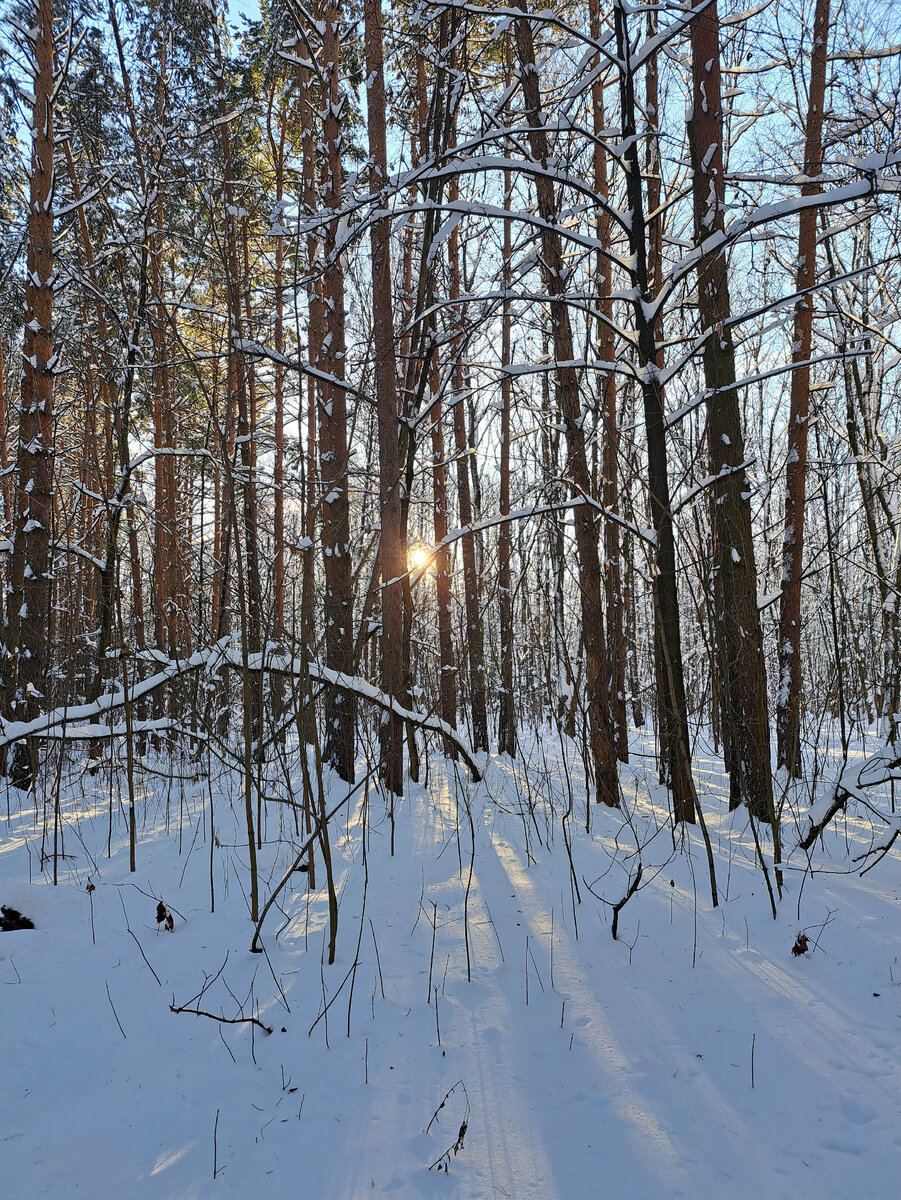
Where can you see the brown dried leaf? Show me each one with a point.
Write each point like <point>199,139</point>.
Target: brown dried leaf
<point>802,944</point>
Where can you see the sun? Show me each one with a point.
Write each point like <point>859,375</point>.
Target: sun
<point>419,557</point>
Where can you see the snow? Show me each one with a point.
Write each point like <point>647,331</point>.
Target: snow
<point>693,1056</point>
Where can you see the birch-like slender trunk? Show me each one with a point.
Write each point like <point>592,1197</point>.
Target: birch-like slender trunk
<point>674,737</point>
<point>601,735</point>
<point>788,700</point>
<point>506,723</point>
<point>391,544</point>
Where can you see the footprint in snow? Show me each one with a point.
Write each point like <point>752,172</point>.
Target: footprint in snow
<point>842,1147</point>
<point>857,1112</point>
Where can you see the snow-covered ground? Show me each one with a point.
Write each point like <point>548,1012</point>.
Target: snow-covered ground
<point>694,1056</point>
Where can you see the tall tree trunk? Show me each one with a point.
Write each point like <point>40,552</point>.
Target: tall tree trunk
<point>6,488</point>
<point>553,274</point>
<point>788,702</point>
<point>655,278</point>
<point>446,661</point>
<point>422,379</point>
<point>340,710</point>
<point>506,722</point>
<point>474,636</point>
<point>170,608</point>
<point>278,148</point>
<point>613,595</point>
<point>315,336</point>
<point>391,544</point>
<point>29,607</point>
<point>674,738</point>
<point>742,669</point>
<point>239,398</point>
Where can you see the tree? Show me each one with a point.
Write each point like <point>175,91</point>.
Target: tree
<point>391,543</point>
<point>596,678</point>
<point>788,705</point>
<point>742,670</point>
<point>28,612</point>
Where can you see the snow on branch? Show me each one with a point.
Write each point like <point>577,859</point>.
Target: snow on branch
<point>60,721</point>
<point>880,768</point>
<point>258,350</point>
<point>48,724</point>
<point>523,514</point>
<point>872,167</point>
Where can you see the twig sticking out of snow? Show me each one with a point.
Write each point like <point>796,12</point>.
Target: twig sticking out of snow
<point>443,1161</point>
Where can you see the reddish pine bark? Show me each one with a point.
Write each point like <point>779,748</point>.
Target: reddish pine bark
<point>29,611</point>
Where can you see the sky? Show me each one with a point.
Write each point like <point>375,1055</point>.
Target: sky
<point>248,8</point>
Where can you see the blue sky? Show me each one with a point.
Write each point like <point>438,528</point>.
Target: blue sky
<point>249,8</point>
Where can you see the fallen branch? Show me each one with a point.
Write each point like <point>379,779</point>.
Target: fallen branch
<point>621,904</point>
<point>839,800</point>
<point>213,657</point>
<point>46,723</point>
<point>199,1012</point>
<point>849,786</point>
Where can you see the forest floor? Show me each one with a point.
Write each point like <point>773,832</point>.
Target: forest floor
<point>694,1056</point>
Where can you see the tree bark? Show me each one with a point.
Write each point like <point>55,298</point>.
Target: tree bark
<point>613,591</point>
<point>674,737</point>
<point>278,146</point>
<point>788,702</point>
<point>239,385</point>
<point>506,722</point>
<point>340,708</point>
<point>29,607</point>
<point>603,750</point>
<point>391,544</point>
<point>474,636</point>
<point>741,665</point>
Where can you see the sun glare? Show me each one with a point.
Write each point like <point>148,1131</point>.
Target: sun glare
<point>419,557</point>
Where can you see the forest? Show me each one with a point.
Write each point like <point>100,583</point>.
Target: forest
<point>452,450</point>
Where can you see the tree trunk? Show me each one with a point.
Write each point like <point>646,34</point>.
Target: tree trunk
<point>553,274</point>
<point>506,722</point>
<point>315,335</point>
<point>340,709</point>
<point>674,738</point>
<point>741,667</point>
<point>29,607</point>
<point>474,637</point>
<point>446,661</point>
<point>277,684</point>
<point>391,544</point>
<point>788,702</point>
<point>239,386</point>
<point>613,592</point>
